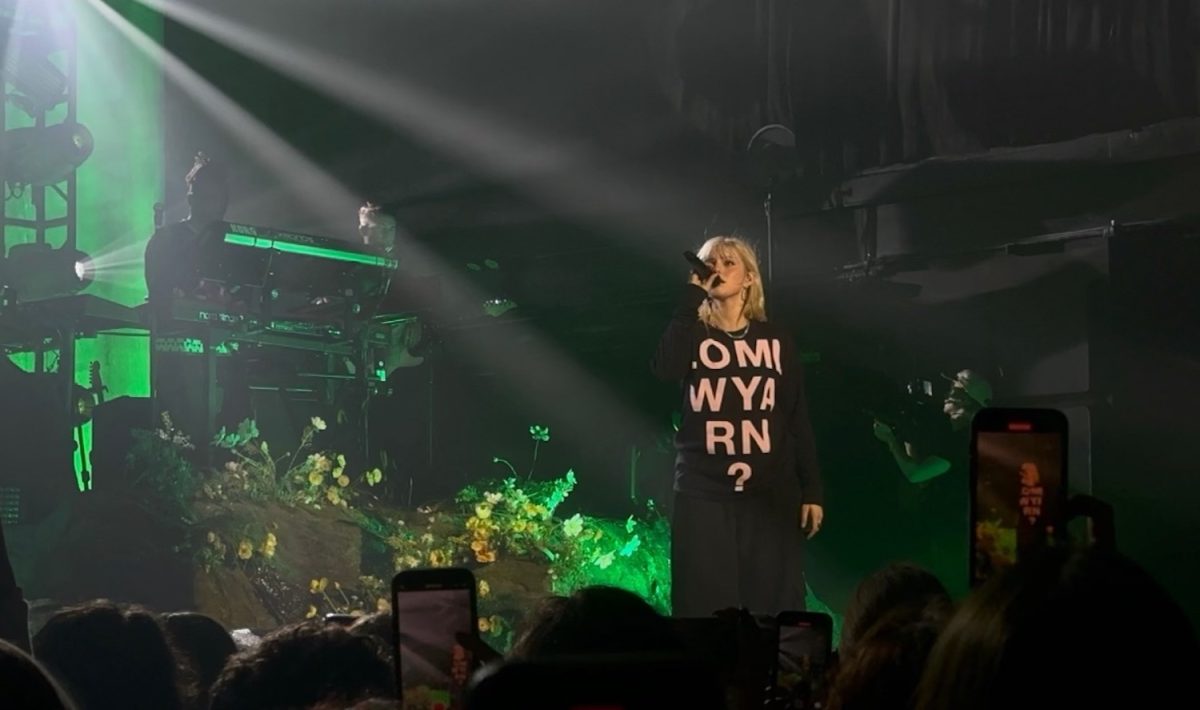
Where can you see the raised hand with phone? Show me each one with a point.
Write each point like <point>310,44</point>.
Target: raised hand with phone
<point>747,480</point>
<point>433,611</point>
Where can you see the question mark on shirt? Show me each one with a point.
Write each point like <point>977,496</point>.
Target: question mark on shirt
<point>743,473</point>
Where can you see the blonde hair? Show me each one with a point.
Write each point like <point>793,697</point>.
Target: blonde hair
<point>754,301</point>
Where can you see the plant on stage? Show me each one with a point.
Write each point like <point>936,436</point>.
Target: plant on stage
<point>538,434</point>
<point>330,597</point>
<point>512,517</point>
<point>164,475</point>
<point>302,476</point>
<point>633,554</point>
<point>506,517</point>
<point>237,547</point>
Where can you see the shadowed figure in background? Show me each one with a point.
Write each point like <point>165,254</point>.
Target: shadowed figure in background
<point>898,587</point>
<point>187,261</point>
<point>204,646</point>
<point>891,624</point>
<point>1064,629</point>
<point>106,656</point>
<point>304,665</point>
<point>25,685</point>
<point>936,462</point>
<point>595,620</point>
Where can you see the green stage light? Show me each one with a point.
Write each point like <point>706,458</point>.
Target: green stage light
<point>310,250</point>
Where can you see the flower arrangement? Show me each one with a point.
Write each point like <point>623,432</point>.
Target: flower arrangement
<point>489,524</point>
<point>162,470</point>
<point>369,595</point>
<point>316,479</point>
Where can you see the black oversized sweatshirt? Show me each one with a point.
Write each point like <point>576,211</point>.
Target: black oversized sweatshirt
<point>745,428</point>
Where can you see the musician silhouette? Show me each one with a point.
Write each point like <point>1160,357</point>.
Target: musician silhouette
<point>179,255</point>
<point>178,259</point>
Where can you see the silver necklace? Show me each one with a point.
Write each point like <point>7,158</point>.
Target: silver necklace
<point>740,333</point>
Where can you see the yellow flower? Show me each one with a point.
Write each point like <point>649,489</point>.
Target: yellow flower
<point>437,558</point>
<point>382,604</point>
<point>268,547</point>
<point>317,586</point>
<point>316,477</point>
<point>483,553</point>
<point>520,526</point>
<point>374,476</point>
<point>484,588</point>
<point>483,511</point>
<point>493,498</point>
<point>318,423</point>
<point>312,611</point>
<point>212,537</point>
<point>332,494</point>
<point>530,508</point>
<point>485,624</point>
<point>245,549</point>
<point>343,480</point>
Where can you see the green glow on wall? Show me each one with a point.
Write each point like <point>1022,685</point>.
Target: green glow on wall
<point>119,93</point>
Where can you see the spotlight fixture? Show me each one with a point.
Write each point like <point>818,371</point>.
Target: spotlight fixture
<point>35,272</point>
<point>38,84</point>
<point>46,155</point>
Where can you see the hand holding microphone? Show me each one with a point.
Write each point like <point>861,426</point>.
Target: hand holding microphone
<point>702,274</point>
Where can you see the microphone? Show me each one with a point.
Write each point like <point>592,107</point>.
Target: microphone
<point>700,268</point>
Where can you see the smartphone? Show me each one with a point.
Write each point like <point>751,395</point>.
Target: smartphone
<point>430,608</point>
<point>805,650</point>
<point>1018,486</point>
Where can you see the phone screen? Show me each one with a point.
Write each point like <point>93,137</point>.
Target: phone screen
<point>1019,496</point>
<point>804,650</point>
<point>434,667</point>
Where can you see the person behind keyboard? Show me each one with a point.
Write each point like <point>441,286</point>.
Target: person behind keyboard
<point>179,254</point>
<point>181,259</point>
